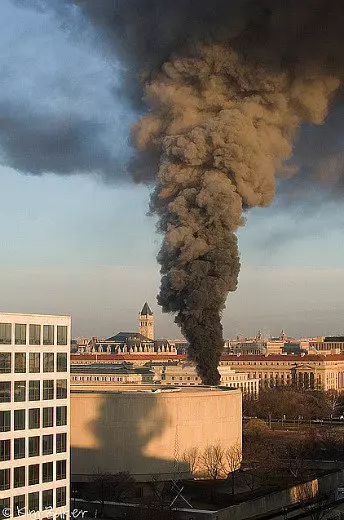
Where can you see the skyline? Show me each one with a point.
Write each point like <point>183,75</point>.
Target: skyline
<point>77,245</point>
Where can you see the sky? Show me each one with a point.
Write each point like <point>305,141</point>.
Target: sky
<point>78,243</point>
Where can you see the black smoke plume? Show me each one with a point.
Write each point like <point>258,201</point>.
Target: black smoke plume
<point>227,85</point>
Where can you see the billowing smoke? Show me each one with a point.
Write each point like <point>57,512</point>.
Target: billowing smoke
<point>228,84</point>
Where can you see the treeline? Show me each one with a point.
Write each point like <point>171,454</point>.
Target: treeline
<point>294,404</point>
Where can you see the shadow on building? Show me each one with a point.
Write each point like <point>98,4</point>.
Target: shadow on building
<point>125,431</point>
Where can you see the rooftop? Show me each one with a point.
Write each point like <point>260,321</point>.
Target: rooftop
<point>128,337</point>
<point>152,389</point>
<point>146,311</point>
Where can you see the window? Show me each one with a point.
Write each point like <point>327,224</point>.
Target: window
<point>19,448</point>
<point>34,334</point>
<point>33,474</point>
<point>19,393</point>
<point>48,362</point>
<point>48,389</point>
<point>47,444</point>
<point>60,496</point>
<point>20,362</point>
<point>19,505</point>
<point>20,334</point>
<point>34,362</point>
<point>61,415</point>
<point>47,499</point>
<point>33,504</point>
<point>48,417</point>
<point>5,363</point>
<point>19,477</point>
<point>61,389</point>
<point>6,332</point>
<point>48,334</point>
<point>34,390</point>
<point>5,391</point>
<point>4,507</point>
<point>61,335</point>
<point>61,442</point>
<point>5,482</point>
<point>60,469</point>
<point>34,418</point>
<point>19,419</point>
<point>47,472</point>
<point>5,421</point>
<point>5,450</point>
<point>33,446</point>
<point>61,362</point>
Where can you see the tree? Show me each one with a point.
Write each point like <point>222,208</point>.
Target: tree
<point>112,487</point>
<point>294,453</point>
<point>192,458</point>
<point>233,457</point>
<point>213,462</point>
<point>256,428</point>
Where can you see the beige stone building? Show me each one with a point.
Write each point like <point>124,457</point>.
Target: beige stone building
<point>327,345</point>
<point>307,371</point>
<point>185,374</point>
<point>108,376</point>
<point>147,431</point>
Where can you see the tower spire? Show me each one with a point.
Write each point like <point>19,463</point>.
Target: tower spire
<point>146,322</point>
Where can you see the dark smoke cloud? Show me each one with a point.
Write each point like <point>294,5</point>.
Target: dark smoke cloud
<point>65,145</point>
<point>228,85</point>
<point>57,97</point>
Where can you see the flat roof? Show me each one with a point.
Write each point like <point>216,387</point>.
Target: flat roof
<point>148,389</point>
<point>2,313</point>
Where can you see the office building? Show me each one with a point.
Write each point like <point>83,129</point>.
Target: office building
<point>34,415</point>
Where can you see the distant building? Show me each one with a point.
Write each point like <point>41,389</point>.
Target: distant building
<point>34,415</point>
<point>327,345</point>
<point>146,322</point>
<point>312,371</point>
<point>185,374</point>
<point>105,375</point>
<point>256,347</point>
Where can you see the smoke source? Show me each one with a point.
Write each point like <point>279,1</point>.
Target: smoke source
<point>227,84</point>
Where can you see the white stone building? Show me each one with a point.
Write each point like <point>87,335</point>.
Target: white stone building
<point>34,415</point>
<point>185,374</point>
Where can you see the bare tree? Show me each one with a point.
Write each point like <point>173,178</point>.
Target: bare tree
<point>192,458</point>
<point>112,487</point>
<point>233,458</point>
<point>213,462</point>
<point>294,453</point>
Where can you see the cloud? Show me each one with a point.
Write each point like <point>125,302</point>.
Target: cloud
<point>58,106</point>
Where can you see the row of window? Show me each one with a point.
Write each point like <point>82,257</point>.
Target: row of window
<point>33,418</point>
<point>35,474</point>
<point>34,447</point>
<point>34,362</point>
<point>33,503</point>
<point>32,391</point>
<point>35,334</point>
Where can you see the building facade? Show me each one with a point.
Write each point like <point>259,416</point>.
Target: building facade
<point>185,374</point>
<point>109,375</point>
<point>34,415</point>
<point>314,372</point>
<point>148,431</point>
<point>327,345</point>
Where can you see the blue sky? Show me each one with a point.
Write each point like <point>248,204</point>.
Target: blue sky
<point>77,244</point>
